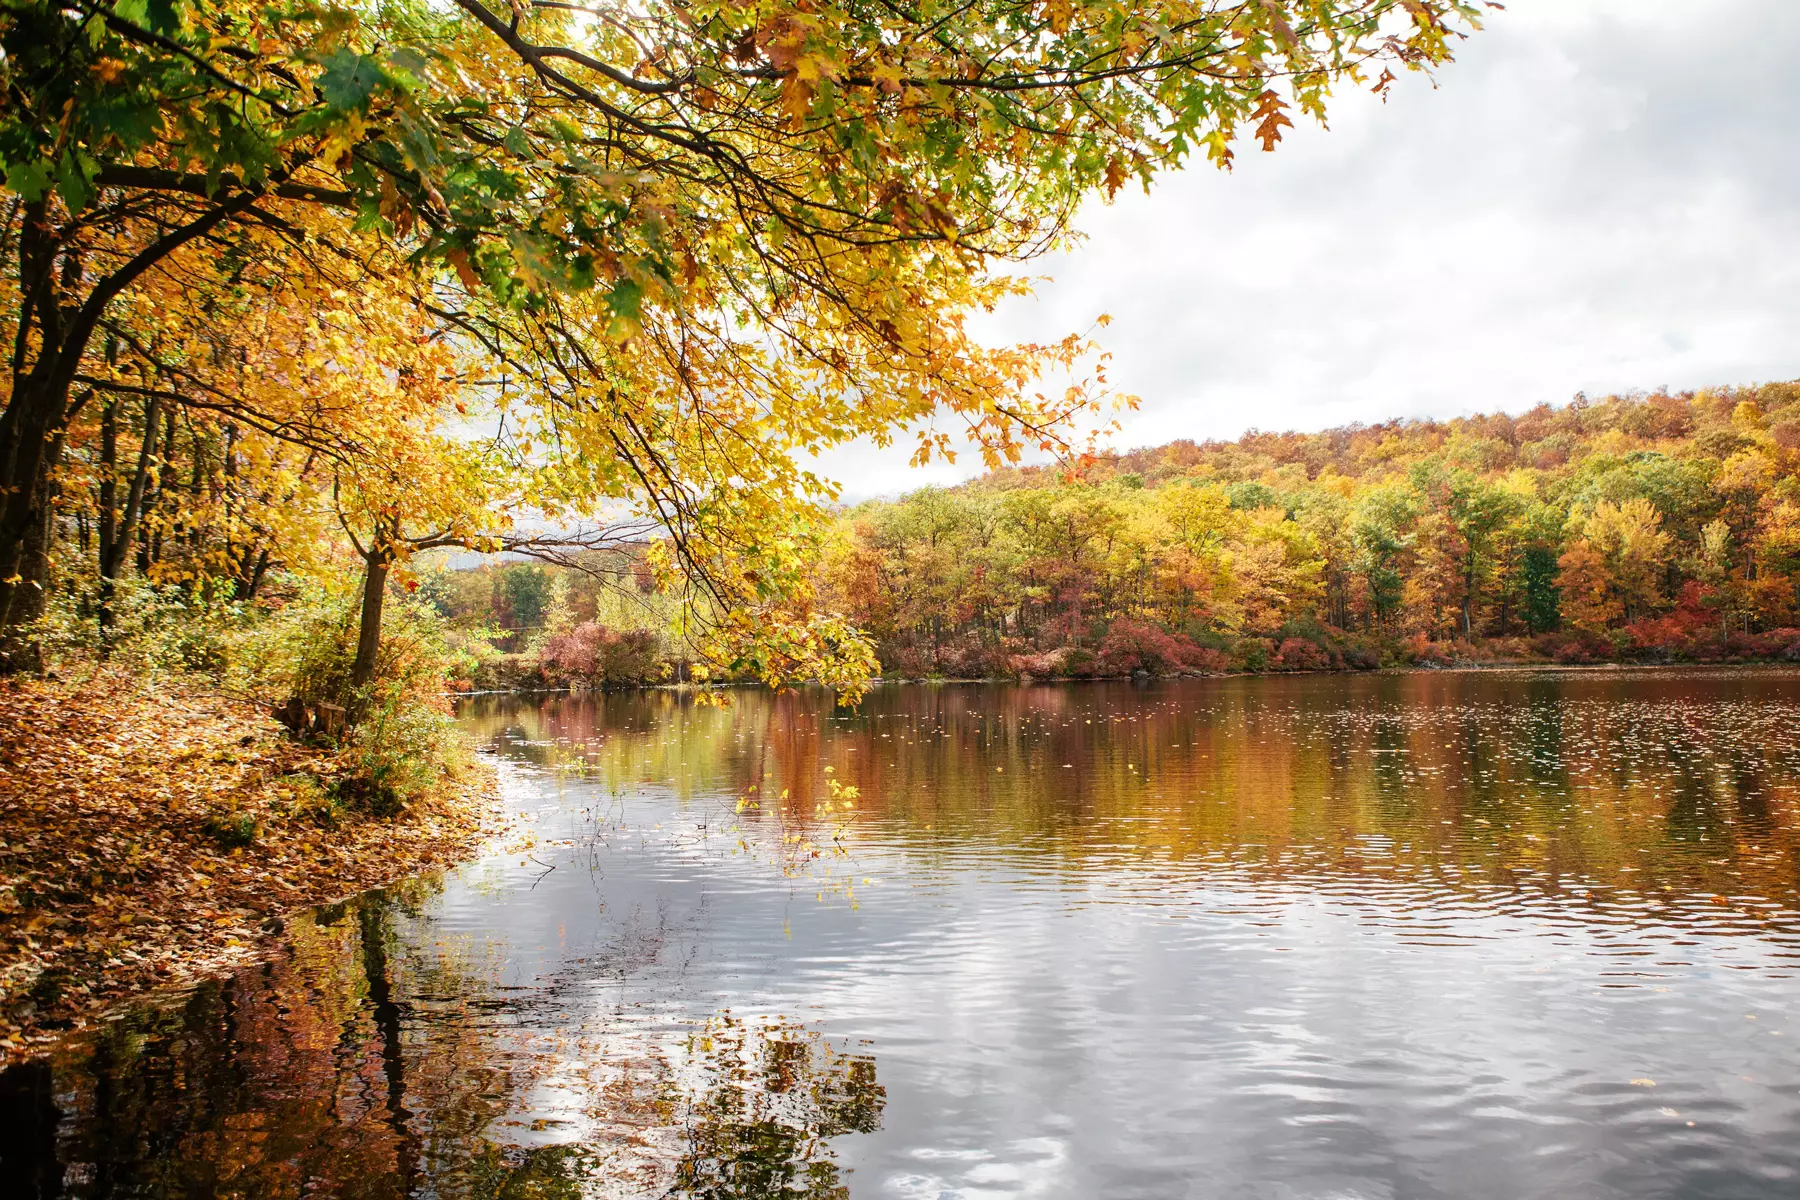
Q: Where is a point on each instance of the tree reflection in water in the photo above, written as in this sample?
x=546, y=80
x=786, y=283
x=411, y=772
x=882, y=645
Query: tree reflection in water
x=361, y=1064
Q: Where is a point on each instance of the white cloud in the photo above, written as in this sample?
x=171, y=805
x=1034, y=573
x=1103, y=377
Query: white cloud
x=1599, y=195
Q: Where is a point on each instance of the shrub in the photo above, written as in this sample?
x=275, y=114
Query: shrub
x=1078, y=662
x=592, y=655
x=1140, y=646
x=231, y=830
x=972, y=658
x=1252, y=654
x=1573, y=646
x=1359, y=655
x=307, y=798
x=908, y=662
x=1046, y=664
x=302, y=651
x=1300, y=654
x=397, y=756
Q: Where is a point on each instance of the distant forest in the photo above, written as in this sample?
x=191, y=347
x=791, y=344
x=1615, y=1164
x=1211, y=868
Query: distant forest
x=1638, y=528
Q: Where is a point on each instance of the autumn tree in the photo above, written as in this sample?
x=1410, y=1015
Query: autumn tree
x=1630, y=541
x=675, y=229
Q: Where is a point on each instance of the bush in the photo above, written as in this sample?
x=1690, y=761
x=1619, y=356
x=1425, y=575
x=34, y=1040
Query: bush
x=307, y=798
x=1047, y=664
x=1252, y=654
x=972, y=658
x=403, y=745
x=1078, y=662
x=231, y=830
x=397, y=756
x=1573, y=646
x=304, y=651
x=1131, y=646
x=155, y=627
x=591, y=655
x=1301, y=654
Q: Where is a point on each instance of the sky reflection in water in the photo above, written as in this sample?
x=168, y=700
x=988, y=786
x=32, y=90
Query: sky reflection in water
x=1471, y=935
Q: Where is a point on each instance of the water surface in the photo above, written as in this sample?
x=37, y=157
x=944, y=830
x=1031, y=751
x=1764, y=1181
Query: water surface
x=1454, y=935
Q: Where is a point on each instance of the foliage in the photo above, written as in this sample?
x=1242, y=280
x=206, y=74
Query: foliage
x=593, y=655
x=399, y=756
x=303, y=651
x=295, y=287
x=1655, y=527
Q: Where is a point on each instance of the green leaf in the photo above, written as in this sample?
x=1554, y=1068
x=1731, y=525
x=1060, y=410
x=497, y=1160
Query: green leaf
x=164, y=16
x=72, y=183
x=30, y=180
x=626, y=299
x=349, y=79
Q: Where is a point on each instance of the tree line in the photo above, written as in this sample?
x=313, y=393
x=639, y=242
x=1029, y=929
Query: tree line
x=1642, y=526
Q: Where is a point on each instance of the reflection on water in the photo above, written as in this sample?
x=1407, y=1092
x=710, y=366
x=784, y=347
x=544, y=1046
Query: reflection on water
x=366, y=1061
x=1487, y=934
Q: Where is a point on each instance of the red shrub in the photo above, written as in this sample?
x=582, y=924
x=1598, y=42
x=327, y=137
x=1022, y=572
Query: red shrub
x=1038, y=665
x=594, y=655
x=1300, y=654
x=1140, y=646
x=1573, y=646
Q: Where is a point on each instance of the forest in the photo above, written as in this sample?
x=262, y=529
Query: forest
x=1647, y=528
x=1655, y=527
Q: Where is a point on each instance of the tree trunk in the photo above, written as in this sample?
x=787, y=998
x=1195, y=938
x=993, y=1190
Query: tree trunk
x=118, y=528
x=25, y=444
x=249, y=585
x=109, y=512
x=18, y=650
x=368, y=634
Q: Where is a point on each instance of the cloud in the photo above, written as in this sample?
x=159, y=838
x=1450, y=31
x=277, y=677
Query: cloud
x=1598, y=195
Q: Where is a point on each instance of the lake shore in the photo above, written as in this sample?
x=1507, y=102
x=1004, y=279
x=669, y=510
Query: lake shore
x=156, y=832
x=1427, y=668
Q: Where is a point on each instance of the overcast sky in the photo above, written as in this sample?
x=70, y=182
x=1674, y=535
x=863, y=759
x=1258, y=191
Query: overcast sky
x=1598, y=195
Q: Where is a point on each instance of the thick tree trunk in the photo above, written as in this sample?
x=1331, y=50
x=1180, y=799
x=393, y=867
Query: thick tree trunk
x=368, y=634
x=25, y=443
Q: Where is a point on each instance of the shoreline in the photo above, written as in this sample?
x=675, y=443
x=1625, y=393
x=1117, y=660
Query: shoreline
x=157, y=834
x=1035, y=680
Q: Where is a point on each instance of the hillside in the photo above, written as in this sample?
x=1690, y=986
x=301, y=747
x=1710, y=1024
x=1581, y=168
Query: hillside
x=1641, y=527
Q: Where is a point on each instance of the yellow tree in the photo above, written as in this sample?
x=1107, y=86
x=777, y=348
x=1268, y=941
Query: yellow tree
x=1630, y=539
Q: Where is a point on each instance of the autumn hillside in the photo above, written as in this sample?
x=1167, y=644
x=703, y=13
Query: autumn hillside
x=1642, y=527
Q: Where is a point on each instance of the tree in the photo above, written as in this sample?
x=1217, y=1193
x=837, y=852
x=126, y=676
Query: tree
x=1583, y=582
x=1542, y=599
x=1379, y=534
x=676, y=228
x=1630, y=539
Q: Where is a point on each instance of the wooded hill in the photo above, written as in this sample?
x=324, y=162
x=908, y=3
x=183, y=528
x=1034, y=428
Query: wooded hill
x=1650, y=527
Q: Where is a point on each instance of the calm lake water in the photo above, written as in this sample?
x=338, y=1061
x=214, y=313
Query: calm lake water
x=1529, y=934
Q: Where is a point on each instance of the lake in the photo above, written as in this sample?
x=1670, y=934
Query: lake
x=1482, y=934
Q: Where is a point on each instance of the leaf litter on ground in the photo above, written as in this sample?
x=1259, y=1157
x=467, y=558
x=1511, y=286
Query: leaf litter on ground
x=152, y=834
